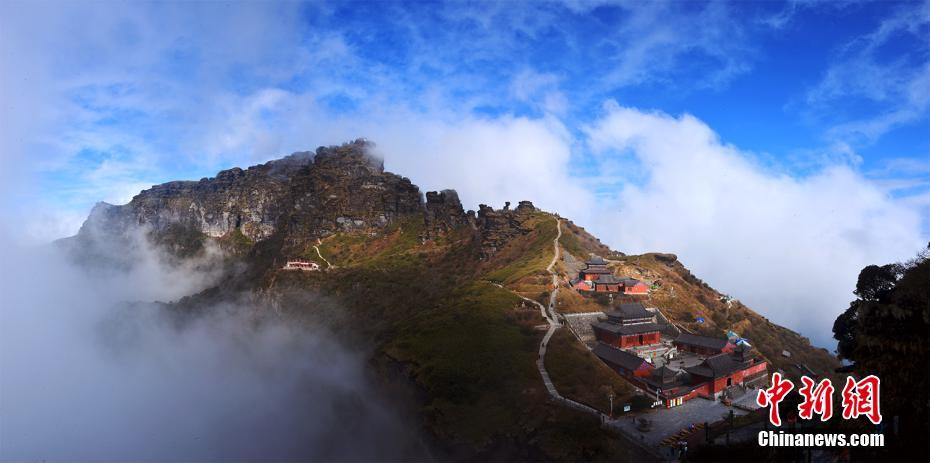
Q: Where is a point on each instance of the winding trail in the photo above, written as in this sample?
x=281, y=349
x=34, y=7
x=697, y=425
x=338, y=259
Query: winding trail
x=317, y=249
x=551, y=317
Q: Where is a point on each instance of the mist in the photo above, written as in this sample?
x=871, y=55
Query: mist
x=90, y=370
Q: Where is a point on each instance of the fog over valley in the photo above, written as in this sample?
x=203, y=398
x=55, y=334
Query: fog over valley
x=91, y=370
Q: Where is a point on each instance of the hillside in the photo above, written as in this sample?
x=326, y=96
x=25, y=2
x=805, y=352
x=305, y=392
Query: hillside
x=428, y=290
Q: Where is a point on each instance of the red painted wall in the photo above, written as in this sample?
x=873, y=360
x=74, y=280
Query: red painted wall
x=699, y=349
x=582, y=287
x=608, y=338
x=720, y=384
x=633, y=340
x=639, y=288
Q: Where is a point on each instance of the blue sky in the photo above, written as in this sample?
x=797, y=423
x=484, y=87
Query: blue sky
x=684, y=118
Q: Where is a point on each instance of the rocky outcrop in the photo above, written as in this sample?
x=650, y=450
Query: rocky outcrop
x=496, y=228
x=347, y=189
x=443, y=211
x=310, y=193
x=299, y=199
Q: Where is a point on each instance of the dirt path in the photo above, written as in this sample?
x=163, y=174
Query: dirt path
x=317, y=249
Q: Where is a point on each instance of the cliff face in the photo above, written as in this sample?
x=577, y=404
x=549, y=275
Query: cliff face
x=313, y=193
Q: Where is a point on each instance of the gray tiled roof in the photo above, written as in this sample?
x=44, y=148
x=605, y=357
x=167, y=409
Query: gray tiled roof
x=701, y=341
x=719, y=365
x=630, y=310
x=607, y=279
x=617, y=357
x=627, y=330
x=596, y=271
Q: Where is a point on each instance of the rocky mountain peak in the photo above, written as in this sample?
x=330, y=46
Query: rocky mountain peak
x=354, y=158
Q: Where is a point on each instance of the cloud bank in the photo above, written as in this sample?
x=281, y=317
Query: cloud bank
x=790, y=247
x=86, y=376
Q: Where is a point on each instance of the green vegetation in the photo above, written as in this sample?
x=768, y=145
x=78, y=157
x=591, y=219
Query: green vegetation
x=579, y=375
x=469, y=346
x=527, y=257
x=571, y=244
x=398, y=242
x=180, y=240
x=474, y=384
x=235, y=242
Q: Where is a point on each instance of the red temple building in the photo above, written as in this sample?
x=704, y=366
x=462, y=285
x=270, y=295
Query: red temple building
x=597, y=277
x=672, y=386
x=593, y=269
x=634, y=287
x=702, y=345
x=631, y=325
x=720, y=371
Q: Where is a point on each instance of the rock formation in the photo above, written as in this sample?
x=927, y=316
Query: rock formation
x=496, y=228
x=332, y=189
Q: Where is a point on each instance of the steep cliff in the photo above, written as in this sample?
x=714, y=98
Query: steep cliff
x=333, y=189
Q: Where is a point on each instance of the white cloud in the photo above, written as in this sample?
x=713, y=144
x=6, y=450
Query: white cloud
x=888, y=67
x=87, y=376
x=789, y=247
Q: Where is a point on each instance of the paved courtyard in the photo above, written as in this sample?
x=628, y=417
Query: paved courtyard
x=684, y=359
x=668, y=421
x=748, y=400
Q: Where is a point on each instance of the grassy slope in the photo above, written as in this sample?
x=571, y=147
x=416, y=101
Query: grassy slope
x=469, y=346
x=578, y=374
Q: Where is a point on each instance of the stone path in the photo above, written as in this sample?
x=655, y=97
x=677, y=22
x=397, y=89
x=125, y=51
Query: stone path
x=552, y=318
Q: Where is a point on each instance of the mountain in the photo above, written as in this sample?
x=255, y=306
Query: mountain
x=431, y=292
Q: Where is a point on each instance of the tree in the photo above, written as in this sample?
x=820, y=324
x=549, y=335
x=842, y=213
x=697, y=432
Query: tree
x=886, y=332
x=875, y=283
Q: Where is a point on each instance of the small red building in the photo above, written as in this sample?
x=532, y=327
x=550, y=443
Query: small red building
x=607, y=284
x=634, y=287
x=630, y=325
x=593, y=269
x=643, y=334
x=727, y=369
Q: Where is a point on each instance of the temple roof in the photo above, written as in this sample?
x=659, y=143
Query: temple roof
x=721, y=365
x=701, y=341
x=607, y=279
x=665, y=373
x=617, y=357
x=630, y=310
x=597, y=270
x=627, y=330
